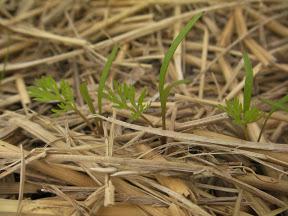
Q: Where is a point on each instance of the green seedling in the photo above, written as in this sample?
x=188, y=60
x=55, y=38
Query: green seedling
x=47, y=90
x=165, y=90
x=281, y=104
x=86, y=97
x=104, y=77
x=85, y=94
x=243, y=114
x=123, y=96
x=88, y=100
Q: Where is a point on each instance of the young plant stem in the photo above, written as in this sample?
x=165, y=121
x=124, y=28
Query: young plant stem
x=147, y=120
x=245, y=132
x=142, y=116
x=103, y=78
x=263, y=127
x=88, y=100
x=163, y=92
x=98, y=126
x=163, y=115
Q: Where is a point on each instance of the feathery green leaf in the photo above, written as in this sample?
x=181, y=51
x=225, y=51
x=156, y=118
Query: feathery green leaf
x=47, y=90
x=243, y=114
x=281, y=104
x=123, y=96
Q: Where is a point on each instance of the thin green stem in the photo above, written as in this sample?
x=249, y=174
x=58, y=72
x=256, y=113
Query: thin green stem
x=245, y=132
x=263, y=126
x=142, y=116
x=163, y=138
x=98, y=125
x=147, y=120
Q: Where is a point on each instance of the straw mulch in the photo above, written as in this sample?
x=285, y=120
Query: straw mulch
x=54, y=165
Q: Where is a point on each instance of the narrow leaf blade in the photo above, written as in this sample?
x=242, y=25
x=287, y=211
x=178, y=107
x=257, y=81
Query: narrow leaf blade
x=86, y=97
x=167, y=58
x=248, y=87
x=172, y=49
x=104, y=76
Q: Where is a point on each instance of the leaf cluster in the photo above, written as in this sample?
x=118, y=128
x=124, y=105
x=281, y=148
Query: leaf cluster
x=235, y=110
x=123, y=96
x=243, y=114
x=281, y=104
x=47, y=90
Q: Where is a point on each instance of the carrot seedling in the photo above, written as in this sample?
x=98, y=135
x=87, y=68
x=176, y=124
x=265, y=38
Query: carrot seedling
x=123, y=96
x=243, y=114
x=85, y=94
x=164, y=91
x=47, y=90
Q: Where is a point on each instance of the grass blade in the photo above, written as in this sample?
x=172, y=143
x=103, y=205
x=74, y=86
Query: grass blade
x=172, y=49
x=86, y=97
x=248, y=87
x=104, y=76
x=167, y=58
